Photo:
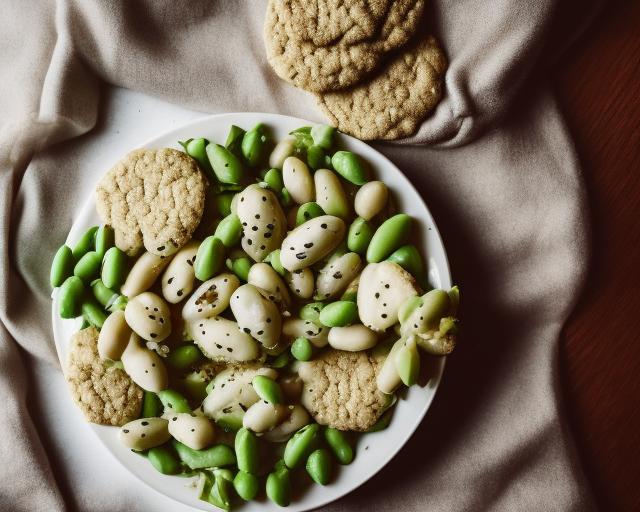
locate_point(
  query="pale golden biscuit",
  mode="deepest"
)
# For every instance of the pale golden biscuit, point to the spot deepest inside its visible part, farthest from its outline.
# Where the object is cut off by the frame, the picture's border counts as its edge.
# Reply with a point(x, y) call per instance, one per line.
point(339, 64)
point(340, 390)
point(105, 394)
point(331, 21)
point(393, 103)
point(152, 197)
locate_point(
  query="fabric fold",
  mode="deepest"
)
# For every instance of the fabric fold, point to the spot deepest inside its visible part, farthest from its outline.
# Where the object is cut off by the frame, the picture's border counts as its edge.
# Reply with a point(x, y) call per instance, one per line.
point(504, 188)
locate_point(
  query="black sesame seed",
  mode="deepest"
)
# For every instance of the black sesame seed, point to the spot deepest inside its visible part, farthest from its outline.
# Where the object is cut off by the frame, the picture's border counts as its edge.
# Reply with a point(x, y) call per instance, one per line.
point(264, 198)
point(309, 245)
point(161, 320)
point(268, 320)
point(257, 215)
point(204, 332)
point(153, 335)
point(249, 242)
point(241, 199)
point(386, 285)
point(161, 248)
point(143, 435)
point(218, 346)
point(337, 275)
point(153, 317)
point(229, 349)
point(126, 431)
point(323, 226)
point(383, 315)
point(270, 226)
point(260, 333)
point(193, 430)
point(144, 423)
point(247, 330)
point(244, 224)
point(267, 235)
point(155, 309)
point(254, 228)
point(170, 280)
point(377, 295)
point(301, 255)
point(179, 293)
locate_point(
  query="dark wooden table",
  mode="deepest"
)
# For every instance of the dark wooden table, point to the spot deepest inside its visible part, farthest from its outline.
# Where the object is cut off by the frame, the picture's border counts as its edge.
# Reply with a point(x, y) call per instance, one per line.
point(599, 88)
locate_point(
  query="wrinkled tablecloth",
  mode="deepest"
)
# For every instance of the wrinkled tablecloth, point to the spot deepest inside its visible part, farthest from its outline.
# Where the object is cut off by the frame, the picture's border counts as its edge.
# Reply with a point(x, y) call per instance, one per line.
point(494, 163)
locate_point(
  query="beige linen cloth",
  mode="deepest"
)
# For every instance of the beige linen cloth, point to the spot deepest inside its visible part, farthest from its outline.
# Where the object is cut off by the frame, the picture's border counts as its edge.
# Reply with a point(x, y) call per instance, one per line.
point(494, 164)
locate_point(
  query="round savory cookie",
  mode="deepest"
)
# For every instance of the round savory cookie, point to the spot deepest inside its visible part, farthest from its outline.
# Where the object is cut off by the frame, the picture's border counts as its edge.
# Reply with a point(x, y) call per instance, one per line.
point(340, 390)
point(395, 101)
point(152, 197)
point(339, 64)
point(330, 21)
point(105, 394)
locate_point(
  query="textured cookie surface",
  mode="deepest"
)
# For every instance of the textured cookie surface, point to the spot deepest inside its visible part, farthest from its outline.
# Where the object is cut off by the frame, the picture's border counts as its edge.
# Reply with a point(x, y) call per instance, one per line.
point(152, 197)
point(340, 390)
point(342, 62)
point(395, 101)
point(332, 21)
point(106, 395)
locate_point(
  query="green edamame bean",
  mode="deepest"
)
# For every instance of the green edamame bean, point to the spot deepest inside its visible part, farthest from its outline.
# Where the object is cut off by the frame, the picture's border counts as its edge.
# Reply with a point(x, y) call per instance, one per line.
point(350, 166)
point(114, 268)
point(70, 296)
point(273, 258)
point(164, 460)
point(105, 238)
point(279, 487)
point(229, 230)
point(319, 466)
point(303, 138)
point(103, 295)
point(339, 314)
point(339, 445)
point(302, 443)
point(323, 135)
point(183, 357)
point(217, 456)
point(219, 493)
point(267, 389)
point(302, 349)
point(247, 452)
point(281, 361)
point(62, 266)
point(255, 144)
point(226, 166)
point(88, 266)
point(93, 313)
point(196, 149)
point(317, 158)
point(151, 405)
point(409, 259)
point(119, 303)
point(454, 299)
point(311, 312)
point(388, 237)
point(359, 236)
point(273, 179)
point(194, 386)
point(223, 203)
point(85, 244)
point(234, 140)
point(240, 267)
point(209, 258)
point(382, 423)
point(285, 197)
point(308, 211)
point(246, 485)
point(407, 361)
point(172, 401)
point(435, 305)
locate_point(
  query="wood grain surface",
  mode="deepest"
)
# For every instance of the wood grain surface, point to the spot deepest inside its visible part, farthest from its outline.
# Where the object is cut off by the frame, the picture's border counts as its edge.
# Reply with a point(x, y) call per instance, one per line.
point(599, 88)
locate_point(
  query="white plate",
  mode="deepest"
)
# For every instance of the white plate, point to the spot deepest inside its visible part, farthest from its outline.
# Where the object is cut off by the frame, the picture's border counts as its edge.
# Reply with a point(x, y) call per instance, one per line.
point(374, 450)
